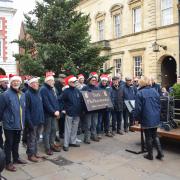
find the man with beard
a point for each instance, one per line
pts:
(12, 105)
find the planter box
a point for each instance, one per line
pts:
(177, 109)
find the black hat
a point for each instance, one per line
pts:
(115, 78)
(62, 76)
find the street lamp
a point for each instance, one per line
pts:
(156, 46)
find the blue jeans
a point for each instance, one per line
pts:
(1, 137)
(49, 132)
(32, 140)
(116, 120)
(103, 121)
(90, 124)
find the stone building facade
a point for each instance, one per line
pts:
(142, 36)
(7, 61)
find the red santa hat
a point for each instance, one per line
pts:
(49, 76)
(13, 77)
(93, 75)
(4, 78)
(104, 77)
(80, 76)
(71, 78)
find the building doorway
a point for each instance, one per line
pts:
(168, 71)
(2, 71)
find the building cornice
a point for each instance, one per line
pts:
(7, 9)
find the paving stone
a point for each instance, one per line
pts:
(80, 170)
(159, 176)
(40, 169)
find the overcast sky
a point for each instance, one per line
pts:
(22, 6)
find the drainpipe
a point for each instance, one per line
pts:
(179, 33)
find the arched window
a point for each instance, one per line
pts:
(116, 11)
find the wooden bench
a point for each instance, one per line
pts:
(173, 134)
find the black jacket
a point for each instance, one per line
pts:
(71, 99)
(49, 99)
(34, 114)
(116, 95)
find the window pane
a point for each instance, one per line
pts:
(137, 66)
(117, 25)
(117, 67)
(101, 30)
(137, 19)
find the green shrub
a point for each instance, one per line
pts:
(176, 90)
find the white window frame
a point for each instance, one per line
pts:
(1, 46)
(1, 24)
(138, 66)
(100, 25)
(117, 66)
(137, 23)
(166, 19)
(117, 25)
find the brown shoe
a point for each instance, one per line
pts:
(39, 156)
(11, 167)
(109, 134)
(49, 152)
(20, 161)
(33, 158)
(57, 145)
(55, 148)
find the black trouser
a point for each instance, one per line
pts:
(1, 138)
(127, 115)
(11, 145)
(24, 136)
(61, 123)
(152, 136)
(116, 120)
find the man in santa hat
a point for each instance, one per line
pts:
(72, 105)
(104, 114)
(91, 118)
(12, 105)
(3, 87)
(34, 117)
(51, 112)
(80, 84)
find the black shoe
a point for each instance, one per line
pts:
(57, 139)
(74, 145)
(160, 156)
(87, 142)
(65, 148)
(148, 156)
(20, 161)
(96, 139)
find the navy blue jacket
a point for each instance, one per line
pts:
(129, 92)
(12, 117)
(116, 95)
(157, 88)
(147, 107)
(71, 99)
(49, 99)
(34, 114)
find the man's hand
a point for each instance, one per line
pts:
(57, 113)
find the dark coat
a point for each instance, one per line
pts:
(157, 88)
(34, 114)
(71, 99)
(116, 95)
(147, 107)
(129, 92)
(12, 109)
(49, 99)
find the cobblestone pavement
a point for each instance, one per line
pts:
(106, 160)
